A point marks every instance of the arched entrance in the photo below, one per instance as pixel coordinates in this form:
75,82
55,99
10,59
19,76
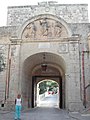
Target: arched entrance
47,93
43,65
44,46
43,53
58,80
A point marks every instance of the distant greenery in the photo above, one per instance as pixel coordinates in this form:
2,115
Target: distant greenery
47,84
43,87
52,84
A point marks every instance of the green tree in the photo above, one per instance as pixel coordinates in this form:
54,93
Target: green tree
42,87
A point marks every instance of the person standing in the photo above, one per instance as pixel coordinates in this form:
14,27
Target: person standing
18,106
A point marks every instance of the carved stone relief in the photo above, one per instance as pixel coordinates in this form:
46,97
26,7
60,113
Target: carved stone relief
44,29
63,48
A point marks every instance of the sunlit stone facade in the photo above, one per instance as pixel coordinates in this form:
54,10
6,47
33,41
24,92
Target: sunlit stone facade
59,31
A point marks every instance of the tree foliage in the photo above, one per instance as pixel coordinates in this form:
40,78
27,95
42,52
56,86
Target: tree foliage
47,84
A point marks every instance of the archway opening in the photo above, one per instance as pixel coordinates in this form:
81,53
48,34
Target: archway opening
48,93
33,73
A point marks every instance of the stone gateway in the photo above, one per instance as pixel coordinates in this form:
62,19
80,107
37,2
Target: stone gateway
59,33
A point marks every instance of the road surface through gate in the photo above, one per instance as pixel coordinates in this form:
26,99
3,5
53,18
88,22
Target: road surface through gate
44,113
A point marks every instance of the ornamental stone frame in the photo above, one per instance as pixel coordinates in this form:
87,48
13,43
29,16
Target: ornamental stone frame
57,46
54,34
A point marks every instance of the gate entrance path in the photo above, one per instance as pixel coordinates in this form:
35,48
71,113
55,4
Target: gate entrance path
44,113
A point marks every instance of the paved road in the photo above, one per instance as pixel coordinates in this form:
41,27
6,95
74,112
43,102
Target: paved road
50,101
45,111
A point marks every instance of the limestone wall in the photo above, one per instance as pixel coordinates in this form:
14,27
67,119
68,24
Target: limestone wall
15,53
4,49
71,13
8,32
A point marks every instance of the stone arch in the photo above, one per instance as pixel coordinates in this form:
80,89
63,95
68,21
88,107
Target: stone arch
45,80
51,88
32,73
39,56
48,16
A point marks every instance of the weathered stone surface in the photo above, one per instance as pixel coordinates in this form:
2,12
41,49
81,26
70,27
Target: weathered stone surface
48,33
71,13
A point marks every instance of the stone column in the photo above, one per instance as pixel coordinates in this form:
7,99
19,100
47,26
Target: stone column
73,81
